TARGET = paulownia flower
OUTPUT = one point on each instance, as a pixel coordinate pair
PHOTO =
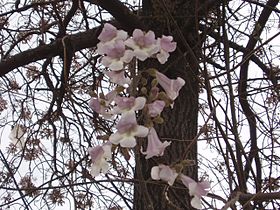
(118, 77)
(164, 173)
(99, 157)
(166, 45)
(126, 104)
(102, 105)
(108, 36)
(155, 146)
(143, 44)
(127, 129)
(116, 55)
(170, 86)
(196, 189)
(155, 108)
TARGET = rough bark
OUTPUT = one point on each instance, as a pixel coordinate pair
(180, 125)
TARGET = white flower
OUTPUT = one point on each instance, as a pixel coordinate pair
(127, 104)
(103, 105)
(155, 146)
(99, 157)
(196, 189)
(108, 36)
(116, 55)
(127, 130)
(144, 45)
(155, 108)
(166, 45)
(164, 173)
(170, 86)
(118, 77)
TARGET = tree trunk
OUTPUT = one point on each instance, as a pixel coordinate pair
(180, 126)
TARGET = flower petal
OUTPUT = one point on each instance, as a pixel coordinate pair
(128, 142)
(162, 56)
(155, 173)
(95, 153)
(99, 156)
(167, 174)
(164, 173)
(139, 103)
(115, 138)
(108, 33)
(167, 44)
(118, 77)
(141, 131)
(196, 202)
(155, 108)
(170, 86)
(155, 146)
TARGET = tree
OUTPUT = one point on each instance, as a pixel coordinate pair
(223, 127)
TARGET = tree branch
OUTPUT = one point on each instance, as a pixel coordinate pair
(267, 71)
(79, 41)
(121, 13)
(242, 90)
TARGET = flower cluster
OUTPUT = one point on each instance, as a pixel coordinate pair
(117, 50)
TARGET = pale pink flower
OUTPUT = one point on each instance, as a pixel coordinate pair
(127, 129)
(126, 104)
(170, 86)
(196, 189)
(96, 105)
(166, 45)
(108, 36)
(155, 108)
(116, 55)
(165, 173)
(118, 77)
(99, 157)
(102, 105)
(143, 44)
(155, 146)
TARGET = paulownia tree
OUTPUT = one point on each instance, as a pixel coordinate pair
(70, 69)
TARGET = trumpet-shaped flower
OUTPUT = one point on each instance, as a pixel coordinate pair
(126, 104)
(127, 129)
(108, 36)
(164, 173)
(155, 146)
(99, 157)
(166, 45)
(118, 77)
(155, 108)
(116, 55)
(170, 86)
(102, 105)
(196, 189)
(143, 44)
